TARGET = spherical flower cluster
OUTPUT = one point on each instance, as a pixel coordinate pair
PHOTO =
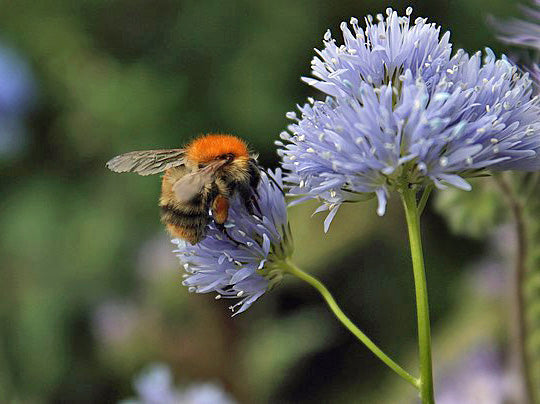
(245, 262)
(402, 111)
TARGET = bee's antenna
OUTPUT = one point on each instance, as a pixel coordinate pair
(272, 179)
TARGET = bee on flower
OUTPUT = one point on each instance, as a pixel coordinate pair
(249, 262)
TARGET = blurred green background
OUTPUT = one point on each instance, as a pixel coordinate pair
(90, 290)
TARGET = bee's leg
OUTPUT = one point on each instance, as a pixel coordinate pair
(254, 181)
(220, 209)
(249, 198)
(254, 203)
(254, 174)
(220, 213)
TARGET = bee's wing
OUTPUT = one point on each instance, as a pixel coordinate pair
(192, 184)
(147, 162)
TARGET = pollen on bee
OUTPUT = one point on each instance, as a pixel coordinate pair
(206, 148)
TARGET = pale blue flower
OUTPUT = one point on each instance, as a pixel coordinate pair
(205, 393)
(475, 378)
(17, 87)
(380, 53)
(401, 112)
(17, 93)
(522, 32)
(246, 263)
(155, 385)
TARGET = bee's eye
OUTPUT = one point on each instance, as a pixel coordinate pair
(228, 156)
(201, 166)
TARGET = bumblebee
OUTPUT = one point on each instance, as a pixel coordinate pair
(198, 181)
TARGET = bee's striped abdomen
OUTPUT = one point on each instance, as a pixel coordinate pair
(189, 224)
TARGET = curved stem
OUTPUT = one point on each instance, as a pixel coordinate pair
(422, 307)
(294, 270)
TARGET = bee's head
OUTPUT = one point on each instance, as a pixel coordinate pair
(234, 166)
(211, 148)
(221, 161)
(228, 157)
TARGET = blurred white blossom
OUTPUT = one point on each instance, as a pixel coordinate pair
(155, 385)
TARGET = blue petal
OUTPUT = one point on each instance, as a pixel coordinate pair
(330, 217)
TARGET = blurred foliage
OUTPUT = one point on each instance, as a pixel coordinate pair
(474, 213)
(531, 213)
(509, 198)
(90, 289)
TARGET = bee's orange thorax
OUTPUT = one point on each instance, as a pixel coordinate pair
(206, 148)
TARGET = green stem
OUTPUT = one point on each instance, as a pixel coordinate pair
(422, 307)
(294, 270)
(424, 199)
